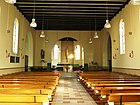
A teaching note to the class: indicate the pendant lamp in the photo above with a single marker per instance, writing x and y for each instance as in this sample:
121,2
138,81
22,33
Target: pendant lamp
46,36
95,33
42,35
135,2
90,39
10,1
33,23
107,24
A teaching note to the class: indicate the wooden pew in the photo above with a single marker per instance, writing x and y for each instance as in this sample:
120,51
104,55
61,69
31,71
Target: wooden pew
35,73
123,97
25,91
28,88
131,103
103,75
97,88
5,98
105,92
93,86
20,103
98,83
15,91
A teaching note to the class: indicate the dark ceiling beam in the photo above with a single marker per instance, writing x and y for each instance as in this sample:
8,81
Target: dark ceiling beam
71,4
67,10
67,7
70,14
74,1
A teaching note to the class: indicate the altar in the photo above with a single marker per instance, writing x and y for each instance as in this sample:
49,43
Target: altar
67,67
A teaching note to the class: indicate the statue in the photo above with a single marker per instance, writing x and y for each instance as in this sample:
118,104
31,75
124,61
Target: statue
42,53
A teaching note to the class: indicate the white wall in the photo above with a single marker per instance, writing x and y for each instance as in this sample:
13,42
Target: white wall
92,51
131,16
7,15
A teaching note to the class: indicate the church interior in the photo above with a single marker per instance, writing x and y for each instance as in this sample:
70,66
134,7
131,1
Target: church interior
64,52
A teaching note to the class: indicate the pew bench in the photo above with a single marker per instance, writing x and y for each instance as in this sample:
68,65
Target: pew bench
13,91
105,93
123,97
26,86
6,98
131,103
96,89
107,83
28,82
21,103
34,74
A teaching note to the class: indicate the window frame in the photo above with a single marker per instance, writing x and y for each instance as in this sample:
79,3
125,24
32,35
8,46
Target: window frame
56,52
15,36
77,52
122,36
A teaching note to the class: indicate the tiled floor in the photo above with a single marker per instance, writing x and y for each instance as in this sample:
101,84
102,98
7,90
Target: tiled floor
71,92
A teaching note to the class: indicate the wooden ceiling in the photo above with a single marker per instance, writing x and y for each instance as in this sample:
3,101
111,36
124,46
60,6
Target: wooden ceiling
70,14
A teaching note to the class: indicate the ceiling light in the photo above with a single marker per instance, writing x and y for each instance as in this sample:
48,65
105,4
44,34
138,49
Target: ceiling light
90,41
135,2
107,24
10,1
33,23
95,33
47,40
42,35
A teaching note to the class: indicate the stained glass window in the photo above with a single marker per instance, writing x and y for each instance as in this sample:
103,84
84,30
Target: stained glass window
122,36
56,52
15,36
77,52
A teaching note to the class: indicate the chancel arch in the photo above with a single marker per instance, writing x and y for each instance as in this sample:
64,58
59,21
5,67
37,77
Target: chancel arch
67,50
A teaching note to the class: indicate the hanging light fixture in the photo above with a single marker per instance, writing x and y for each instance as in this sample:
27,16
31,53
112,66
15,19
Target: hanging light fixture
47,39
95,33
90,39
10,1
135,2
107,24
33,23
42,35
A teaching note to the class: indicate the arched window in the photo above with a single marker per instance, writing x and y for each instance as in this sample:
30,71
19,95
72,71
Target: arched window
15,36
122,36
77,52
56,52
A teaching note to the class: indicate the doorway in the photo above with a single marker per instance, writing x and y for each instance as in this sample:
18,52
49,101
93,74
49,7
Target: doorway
26,63
28,51
109,54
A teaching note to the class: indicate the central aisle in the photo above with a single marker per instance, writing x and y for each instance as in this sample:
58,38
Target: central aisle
71,92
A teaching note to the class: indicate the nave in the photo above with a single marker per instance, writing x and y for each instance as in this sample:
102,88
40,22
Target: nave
71,92
68,88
